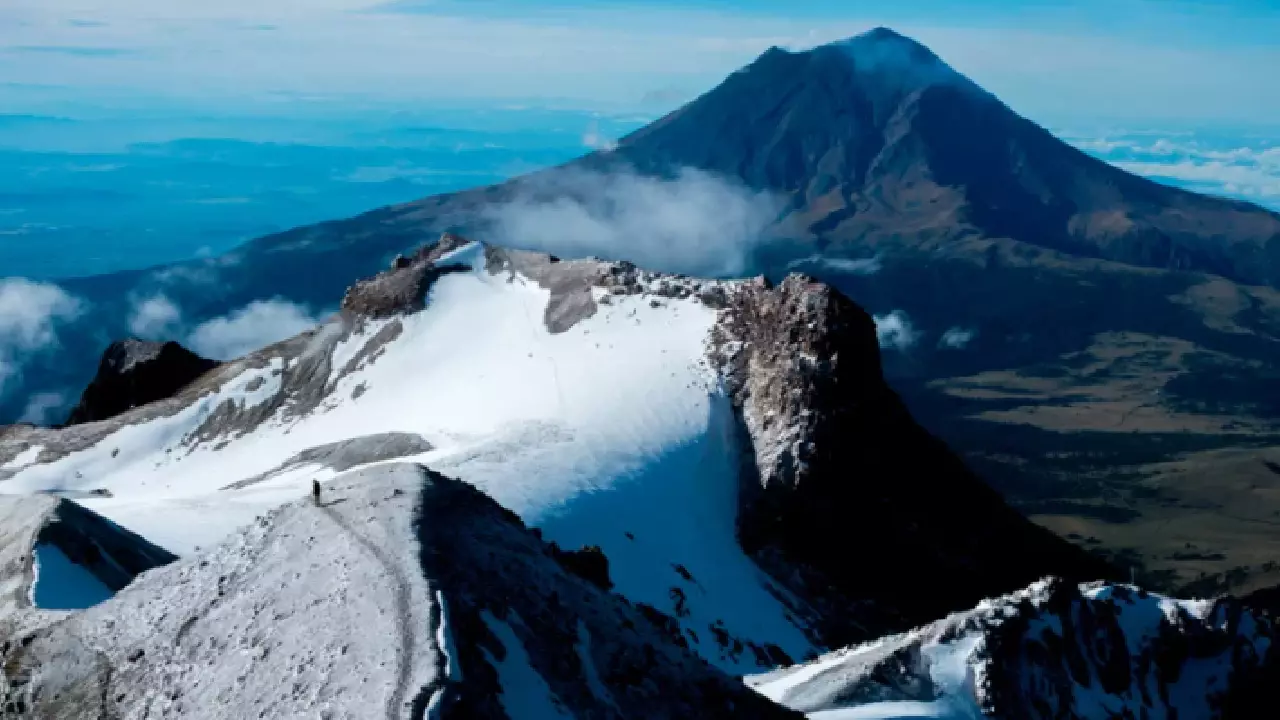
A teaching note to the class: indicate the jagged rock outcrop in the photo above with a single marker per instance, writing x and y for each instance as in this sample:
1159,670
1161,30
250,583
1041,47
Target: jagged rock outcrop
403,287
847,497
460,610
1055,650
345,454
135,372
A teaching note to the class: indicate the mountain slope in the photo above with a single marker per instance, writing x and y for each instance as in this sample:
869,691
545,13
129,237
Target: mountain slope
880,142
405,593
1054,650
842,465
607,406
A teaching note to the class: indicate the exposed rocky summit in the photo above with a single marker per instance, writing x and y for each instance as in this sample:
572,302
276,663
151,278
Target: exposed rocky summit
845,490
831,459
135,372
404,286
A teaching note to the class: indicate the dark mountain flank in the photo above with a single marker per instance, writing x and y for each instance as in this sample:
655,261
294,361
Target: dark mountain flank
878,141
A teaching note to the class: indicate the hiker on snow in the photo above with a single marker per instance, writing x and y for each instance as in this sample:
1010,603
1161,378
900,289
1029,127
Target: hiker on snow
315,491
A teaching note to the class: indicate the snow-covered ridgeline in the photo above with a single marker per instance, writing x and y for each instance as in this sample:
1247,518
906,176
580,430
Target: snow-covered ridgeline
612,431
404,594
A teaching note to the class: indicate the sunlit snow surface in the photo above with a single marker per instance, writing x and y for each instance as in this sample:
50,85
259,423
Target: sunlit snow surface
614,433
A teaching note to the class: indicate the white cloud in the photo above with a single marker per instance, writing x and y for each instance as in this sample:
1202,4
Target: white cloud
30,313
594,140
44,408
203,271
956,338
695,222
250,328
846,266
895,330
155,318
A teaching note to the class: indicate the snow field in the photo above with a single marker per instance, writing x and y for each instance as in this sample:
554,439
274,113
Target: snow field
612,433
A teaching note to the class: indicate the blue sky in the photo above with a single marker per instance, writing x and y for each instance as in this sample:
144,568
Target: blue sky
1127,61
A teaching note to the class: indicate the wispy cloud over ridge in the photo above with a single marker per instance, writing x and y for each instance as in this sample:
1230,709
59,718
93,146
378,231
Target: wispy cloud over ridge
844,266
695,222
154,318
44,408
250,328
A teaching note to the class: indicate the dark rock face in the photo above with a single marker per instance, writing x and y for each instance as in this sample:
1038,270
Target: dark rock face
1053,659
589,563
136,372
856,503
1059,651
491,568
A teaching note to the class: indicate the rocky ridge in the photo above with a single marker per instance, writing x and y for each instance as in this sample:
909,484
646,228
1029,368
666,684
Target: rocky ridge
1054,650
111,556
464,613
866,524
830,454
839,470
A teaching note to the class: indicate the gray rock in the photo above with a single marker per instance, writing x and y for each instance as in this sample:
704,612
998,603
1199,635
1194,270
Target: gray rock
346,454
444,584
